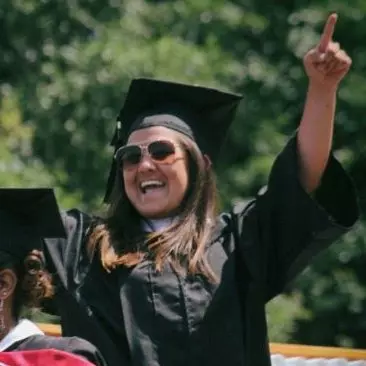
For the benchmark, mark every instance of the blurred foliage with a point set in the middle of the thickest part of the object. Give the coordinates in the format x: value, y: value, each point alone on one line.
x: 65, y: 69
x: 40, y: 317
x: 283, y: 313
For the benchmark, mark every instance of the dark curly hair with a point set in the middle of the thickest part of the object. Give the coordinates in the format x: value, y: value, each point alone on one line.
x: 34, y: 282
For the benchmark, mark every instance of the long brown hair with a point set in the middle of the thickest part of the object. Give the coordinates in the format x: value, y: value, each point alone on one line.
x: 121, y: 242
x: 34, y: 282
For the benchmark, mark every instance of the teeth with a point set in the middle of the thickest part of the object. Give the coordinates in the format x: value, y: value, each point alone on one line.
x: 149, y: 183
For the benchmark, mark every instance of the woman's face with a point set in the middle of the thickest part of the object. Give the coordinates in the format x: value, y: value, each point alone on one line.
x: 156, y: 188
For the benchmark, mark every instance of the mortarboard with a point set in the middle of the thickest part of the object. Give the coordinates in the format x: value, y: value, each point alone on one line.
x: 203, y: 114
x: 27, y: 215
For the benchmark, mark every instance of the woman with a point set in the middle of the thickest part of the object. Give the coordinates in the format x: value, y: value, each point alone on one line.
x: 27, y: 216
x: 163, y: 280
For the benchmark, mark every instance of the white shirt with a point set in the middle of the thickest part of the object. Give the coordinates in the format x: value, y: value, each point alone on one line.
x: 156, y: 225
x: 24, y: 329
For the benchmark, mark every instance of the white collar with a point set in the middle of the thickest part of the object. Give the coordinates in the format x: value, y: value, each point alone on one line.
x: 24, y: 329
x: 156, y: 225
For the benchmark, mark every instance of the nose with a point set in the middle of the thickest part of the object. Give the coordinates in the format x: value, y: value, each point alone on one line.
x: 146, y: 164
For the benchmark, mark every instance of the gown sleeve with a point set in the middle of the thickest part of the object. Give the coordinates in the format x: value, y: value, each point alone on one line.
x: 67, y: 259
x: 280, y: 231
x: 81, y: 348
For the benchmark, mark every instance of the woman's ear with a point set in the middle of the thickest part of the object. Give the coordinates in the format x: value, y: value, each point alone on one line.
x: 8, y: 282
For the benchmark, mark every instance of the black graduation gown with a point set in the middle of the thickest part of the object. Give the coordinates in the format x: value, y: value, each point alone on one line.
x: 140, y: 317
x: 72, y: 345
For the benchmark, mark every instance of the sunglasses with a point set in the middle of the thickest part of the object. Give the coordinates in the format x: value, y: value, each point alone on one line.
x: 160, y: 152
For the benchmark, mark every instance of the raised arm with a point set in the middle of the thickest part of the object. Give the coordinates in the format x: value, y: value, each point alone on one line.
x: 325, y: 65
x: 286, y: 227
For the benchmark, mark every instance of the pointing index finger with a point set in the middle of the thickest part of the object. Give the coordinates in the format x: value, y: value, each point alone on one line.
x: 328, y: 31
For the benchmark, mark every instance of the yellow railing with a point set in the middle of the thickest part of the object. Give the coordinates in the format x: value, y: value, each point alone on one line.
x: 50, y: 329
x: 286, y: 350
x: 297, y: 350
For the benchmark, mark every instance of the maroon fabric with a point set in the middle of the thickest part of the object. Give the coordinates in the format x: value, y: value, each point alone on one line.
x: 41, y: 358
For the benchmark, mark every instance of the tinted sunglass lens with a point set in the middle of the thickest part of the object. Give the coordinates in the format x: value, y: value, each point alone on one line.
x: 160, y: 150
x: 130, y: 156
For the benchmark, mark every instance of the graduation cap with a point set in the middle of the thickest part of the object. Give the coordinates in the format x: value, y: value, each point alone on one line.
x: 203, y: 114
x: 26, y: 217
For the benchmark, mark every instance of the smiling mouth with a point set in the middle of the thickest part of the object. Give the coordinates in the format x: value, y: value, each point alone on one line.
x: 150, y: 185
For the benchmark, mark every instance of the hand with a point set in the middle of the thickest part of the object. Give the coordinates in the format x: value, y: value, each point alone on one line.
x: 327, y: 63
